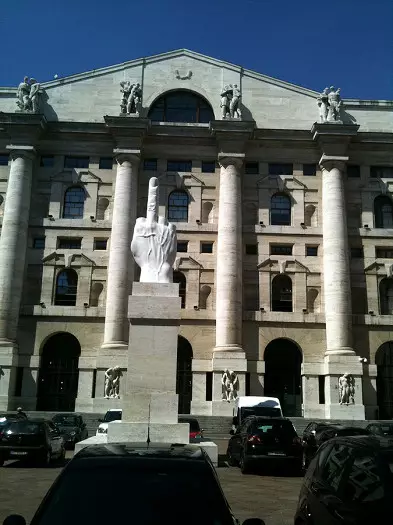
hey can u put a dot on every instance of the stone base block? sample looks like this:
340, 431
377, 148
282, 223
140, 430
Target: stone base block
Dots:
346, 412
6, 403
101, 405
314, 411
211, 450
154, 407
123, 431
94, 440
223, 408
201, 408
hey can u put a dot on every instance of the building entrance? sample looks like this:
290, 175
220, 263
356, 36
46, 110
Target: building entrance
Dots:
184, 375
384, 362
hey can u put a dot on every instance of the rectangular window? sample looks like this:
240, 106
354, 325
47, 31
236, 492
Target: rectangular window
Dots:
100, 244
76, 162
321, 389
150, 164
47, 161
353, 171
206, 247
281, 249
311, 251
384, 253
4, 160
384, 172
356, 252
69, 244
209, 386
39, 243
106, 163
309, 170
280, 169
182, 246
179, 165
251, 168
251, 249
208, 166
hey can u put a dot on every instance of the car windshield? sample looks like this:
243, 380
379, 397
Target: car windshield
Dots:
4, 419
260, 411
387, 430
67, 421
112, 415
24, 427
194, 425
353, 432
272, 427
156, 491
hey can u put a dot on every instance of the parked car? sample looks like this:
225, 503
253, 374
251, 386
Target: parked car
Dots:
6, 418
114, 414
196, 432
349, 481
158, 482
262, 439
380, 429
72, 427
31, 439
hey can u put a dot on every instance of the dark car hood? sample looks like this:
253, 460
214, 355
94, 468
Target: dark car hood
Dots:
67, 429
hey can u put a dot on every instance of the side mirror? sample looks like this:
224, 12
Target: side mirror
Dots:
253, 521
14, 519
232, 432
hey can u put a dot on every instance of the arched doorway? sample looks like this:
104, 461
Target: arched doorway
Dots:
384, 362
283, 360
58, 376
184, 375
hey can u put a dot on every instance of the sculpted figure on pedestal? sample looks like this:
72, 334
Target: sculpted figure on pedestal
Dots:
154, 242
112, 382
329, 103
230, 101
234, 108
131, 98
230, 385
346, 384
28, 95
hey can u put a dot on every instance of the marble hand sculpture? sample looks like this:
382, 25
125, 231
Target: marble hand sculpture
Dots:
154, 242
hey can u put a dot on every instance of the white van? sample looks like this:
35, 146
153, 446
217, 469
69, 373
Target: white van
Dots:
255, 406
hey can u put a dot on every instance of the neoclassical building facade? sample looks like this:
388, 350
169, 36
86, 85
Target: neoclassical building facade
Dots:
285, 235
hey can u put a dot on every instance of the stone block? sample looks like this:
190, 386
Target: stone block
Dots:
121, 431
94, 440
156, 407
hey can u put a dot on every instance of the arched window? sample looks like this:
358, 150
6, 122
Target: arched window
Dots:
66, 288
280, 209
180, 278
386, 296
383, 212
181, 106
178, 206
74, 203
282, 293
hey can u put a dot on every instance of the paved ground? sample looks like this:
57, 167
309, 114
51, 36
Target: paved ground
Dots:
270, 496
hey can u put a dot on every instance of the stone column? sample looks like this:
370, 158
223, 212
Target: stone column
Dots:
336, 271
13, 240
120, 258
229, 257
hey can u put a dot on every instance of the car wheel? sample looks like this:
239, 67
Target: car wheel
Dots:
230, 459
47, 458
62, 453
304, 461
244, 465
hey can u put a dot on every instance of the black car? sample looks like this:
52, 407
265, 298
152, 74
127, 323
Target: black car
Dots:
136, 483
380, 429
196, 432
265, 439
31, 439
72, 427
6, 418
349, 481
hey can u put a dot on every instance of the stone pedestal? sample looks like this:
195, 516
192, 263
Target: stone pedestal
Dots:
335, 366
150, 399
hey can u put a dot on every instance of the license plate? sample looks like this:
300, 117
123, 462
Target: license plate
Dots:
17, 453
276, 454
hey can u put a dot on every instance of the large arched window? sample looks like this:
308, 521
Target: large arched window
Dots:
280, 209
178, 206
383, 212
179, 277
181, 106
386, 296
66, 288
74, 203
282, 293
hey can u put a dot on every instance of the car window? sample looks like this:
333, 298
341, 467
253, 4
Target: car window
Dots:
156, 492
332, 470
364, 483
113, 415
387, 430
24, 427
66, 420
273, 427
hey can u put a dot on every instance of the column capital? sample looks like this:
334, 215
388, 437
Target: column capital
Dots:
124, 155
328, 162
127, 131
333, 138
16, 151
228, 159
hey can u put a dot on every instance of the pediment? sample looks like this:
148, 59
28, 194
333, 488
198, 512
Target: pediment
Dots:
282, 265
280, 183
379, 268
80, 260
75, 176
383, 186
187, 263
180, 180
53, 259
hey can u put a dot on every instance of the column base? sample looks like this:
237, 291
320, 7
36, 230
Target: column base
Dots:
115, 345
228, 348
344, 350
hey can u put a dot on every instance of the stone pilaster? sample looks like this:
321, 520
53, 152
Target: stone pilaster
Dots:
120, 258
229, 257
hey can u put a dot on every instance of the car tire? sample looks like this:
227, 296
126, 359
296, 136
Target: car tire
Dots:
62, 453
231, 461
46, 458
244, 465
304, 461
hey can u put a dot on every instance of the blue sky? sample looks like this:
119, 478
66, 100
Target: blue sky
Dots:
347, 43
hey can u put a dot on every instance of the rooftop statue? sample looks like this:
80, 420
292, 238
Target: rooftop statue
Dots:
29, 96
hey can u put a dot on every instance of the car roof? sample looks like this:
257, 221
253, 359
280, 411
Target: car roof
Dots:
63, 414
267, 418
377, 443
159, 450
115, 410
